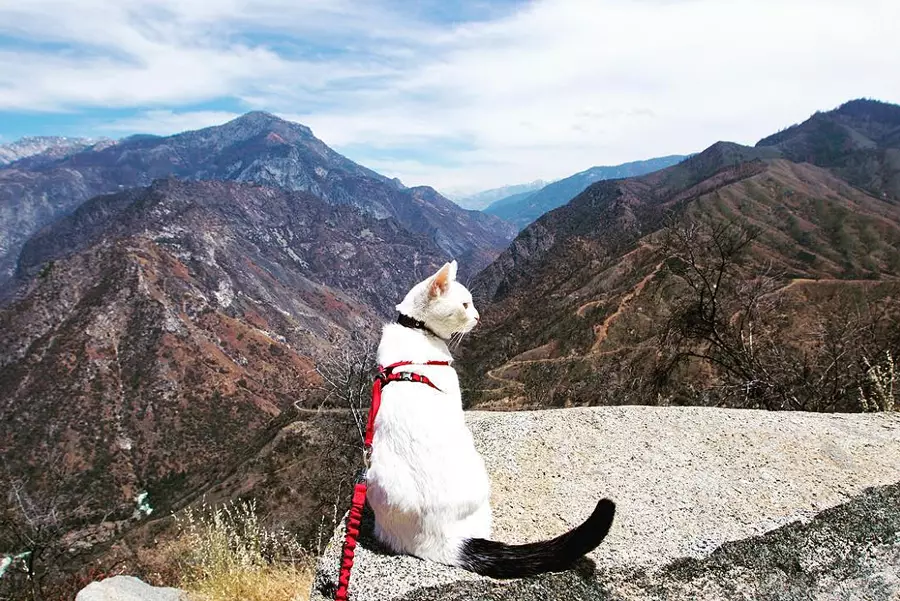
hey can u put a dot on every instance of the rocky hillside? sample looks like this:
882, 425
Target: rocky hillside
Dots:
166, 331
710, 504
258, 148
696, 284
522, 208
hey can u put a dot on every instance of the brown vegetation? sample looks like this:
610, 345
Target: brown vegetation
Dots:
733, 279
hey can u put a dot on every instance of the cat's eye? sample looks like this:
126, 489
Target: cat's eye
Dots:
465, 305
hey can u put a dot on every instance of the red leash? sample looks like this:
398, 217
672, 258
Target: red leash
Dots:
354, 518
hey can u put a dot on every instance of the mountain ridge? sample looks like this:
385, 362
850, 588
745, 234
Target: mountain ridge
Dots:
47, 148
257, 147
523, 209
481, 200
609, 291
859, 140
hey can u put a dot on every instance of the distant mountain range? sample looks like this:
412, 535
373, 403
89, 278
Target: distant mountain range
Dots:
482, 200
47, 147
257, 147
523, 207
575, 311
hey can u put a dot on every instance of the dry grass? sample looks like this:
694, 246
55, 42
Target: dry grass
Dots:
265, 584
229, 556
881, 380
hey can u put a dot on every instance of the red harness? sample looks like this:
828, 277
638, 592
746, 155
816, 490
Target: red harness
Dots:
384, 377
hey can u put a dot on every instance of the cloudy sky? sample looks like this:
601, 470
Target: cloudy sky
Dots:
459, 95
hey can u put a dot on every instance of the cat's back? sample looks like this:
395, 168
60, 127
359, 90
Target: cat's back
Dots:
423, 452
415, 416
419, 430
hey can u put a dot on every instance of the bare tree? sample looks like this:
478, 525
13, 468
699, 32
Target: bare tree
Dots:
346, 373
36, 530
718, 319
732, 318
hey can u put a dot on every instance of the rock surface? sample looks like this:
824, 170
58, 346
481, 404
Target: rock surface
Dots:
127, 588
712, 504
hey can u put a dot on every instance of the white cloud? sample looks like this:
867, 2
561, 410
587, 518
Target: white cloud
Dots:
131, 53
565, 85
542, 91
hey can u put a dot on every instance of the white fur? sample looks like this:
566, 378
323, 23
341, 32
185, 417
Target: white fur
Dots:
426, 482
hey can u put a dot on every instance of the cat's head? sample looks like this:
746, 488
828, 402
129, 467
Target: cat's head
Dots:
442, 303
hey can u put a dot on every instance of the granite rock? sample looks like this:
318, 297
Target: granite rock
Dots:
127, 588
712, 504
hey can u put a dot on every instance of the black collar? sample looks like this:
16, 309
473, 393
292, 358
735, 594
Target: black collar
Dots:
408, 322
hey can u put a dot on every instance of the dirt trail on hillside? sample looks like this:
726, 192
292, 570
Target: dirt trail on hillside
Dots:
602, 331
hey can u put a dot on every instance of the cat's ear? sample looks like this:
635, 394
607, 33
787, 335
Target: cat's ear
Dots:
452, 265
440, 282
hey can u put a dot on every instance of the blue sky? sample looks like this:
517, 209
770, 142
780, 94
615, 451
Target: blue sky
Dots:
458, 95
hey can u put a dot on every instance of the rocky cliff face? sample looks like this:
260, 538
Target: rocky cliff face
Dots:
257, 148
166, 330
712, 504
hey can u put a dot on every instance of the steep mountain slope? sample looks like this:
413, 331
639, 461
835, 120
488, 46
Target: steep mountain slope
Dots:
257, 147
46, 148
169, 329
482, 200
523, 209
576, 309
860, 141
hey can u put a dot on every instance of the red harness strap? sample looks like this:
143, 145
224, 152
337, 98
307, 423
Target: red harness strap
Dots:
354, 518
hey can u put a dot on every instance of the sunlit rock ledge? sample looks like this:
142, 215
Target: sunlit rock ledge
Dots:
712, 504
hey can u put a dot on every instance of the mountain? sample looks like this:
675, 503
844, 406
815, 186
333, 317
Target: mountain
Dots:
522, 209
257, 147
167, 330
737, 277
483, 199
44, 147
859, 140
182, 315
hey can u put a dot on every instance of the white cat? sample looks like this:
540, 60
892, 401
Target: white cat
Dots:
427, 485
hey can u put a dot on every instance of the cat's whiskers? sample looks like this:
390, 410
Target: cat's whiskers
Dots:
458, 339
454, 340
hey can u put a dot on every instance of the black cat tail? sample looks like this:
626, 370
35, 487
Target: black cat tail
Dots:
499, 560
